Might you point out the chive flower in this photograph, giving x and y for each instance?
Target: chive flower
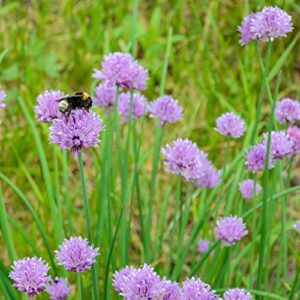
(209, 177)
(195, 289)
(77, 131)
(247, 189)
(166, 110)
(270, 24)
(230, 230)
(2, 98)
(76, 255)
(105, 96)
(246, 36)
(120, 278)
(203, 246)
(297, 226)
(46, 109)
(59, 289)
(172, 291)
(30, 275)
(135, 104)
(287, 111)
(230, 125)
(237, 294)
(122, 70)
(294, 135)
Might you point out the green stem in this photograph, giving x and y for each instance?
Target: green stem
(79, 287)
(295, 284)
(254, 220)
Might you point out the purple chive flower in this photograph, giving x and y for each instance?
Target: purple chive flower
(59, 289)
(195, 289)
(297, 226)
(2, 97)
(139, 105)
(203, 246)
(230, 230)
(30, 275)
(172, 291)
(271, 23)
(166, 110)
(237, 294)
(256, 158)
(209, 177)
(79, 130)
(230, 125)
(122, 70)
(294, 135)
(105, 96)
(142, 283)
(246, 36)
(287, 111)
(281, 145)
(247, 189)
(47, 108)
(183, 158)
(121, 278)
(76, 255)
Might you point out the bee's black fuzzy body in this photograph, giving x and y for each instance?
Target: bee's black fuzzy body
(79, 100)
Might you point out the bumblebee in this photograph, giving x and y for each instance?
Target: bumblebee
(78, 100)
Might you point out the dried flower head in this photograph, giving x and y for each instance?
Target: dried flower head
(230, 230)
(247, 189)
(59, 289)
(281, 145)
(297, 226)
(294, 135)
(122, 70)
(76, 255)
(230, 125)
(30, 275)
(183, 158)
(141, 283)
(203, 246)
(256, 159)
(79, 130)
(166, 110)
(47, 108)
(2, 97)
(237, 294)
(271, 23)
(287, 111)
(105, 96)
(246, 36)
(195, 289)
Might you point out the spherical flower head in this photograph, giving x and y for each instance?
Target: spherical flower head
(30, 275)
(47, 108)
(247, 189)
(256, 159)
(77, 131)
(230, 230)
(121, 278)
(2, 97)
(209, 177)
(105, 96)
(135, 104)
(294, 135)
(143, 283)
(246, 36)
(76, 255)
(297, 226)
(271, 23)
(237, 294)
(230, 125)
(203, 246)
(183, 158)
(166, 110)
(281, 145)
(122, 70)
(172, 291)
(287, 111)
(195, 289)
(59, 289)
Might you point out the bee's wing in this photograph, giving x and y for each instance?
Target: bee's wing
(61, 99)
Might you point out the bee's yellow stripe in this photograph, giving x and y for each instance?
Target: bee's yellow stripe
(85, 96)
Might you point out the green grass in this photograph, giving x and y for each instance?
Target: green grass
(191, 50)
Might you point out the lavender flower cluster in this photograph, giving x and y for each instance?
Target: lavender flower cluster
(144, 283)
(30, 275)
